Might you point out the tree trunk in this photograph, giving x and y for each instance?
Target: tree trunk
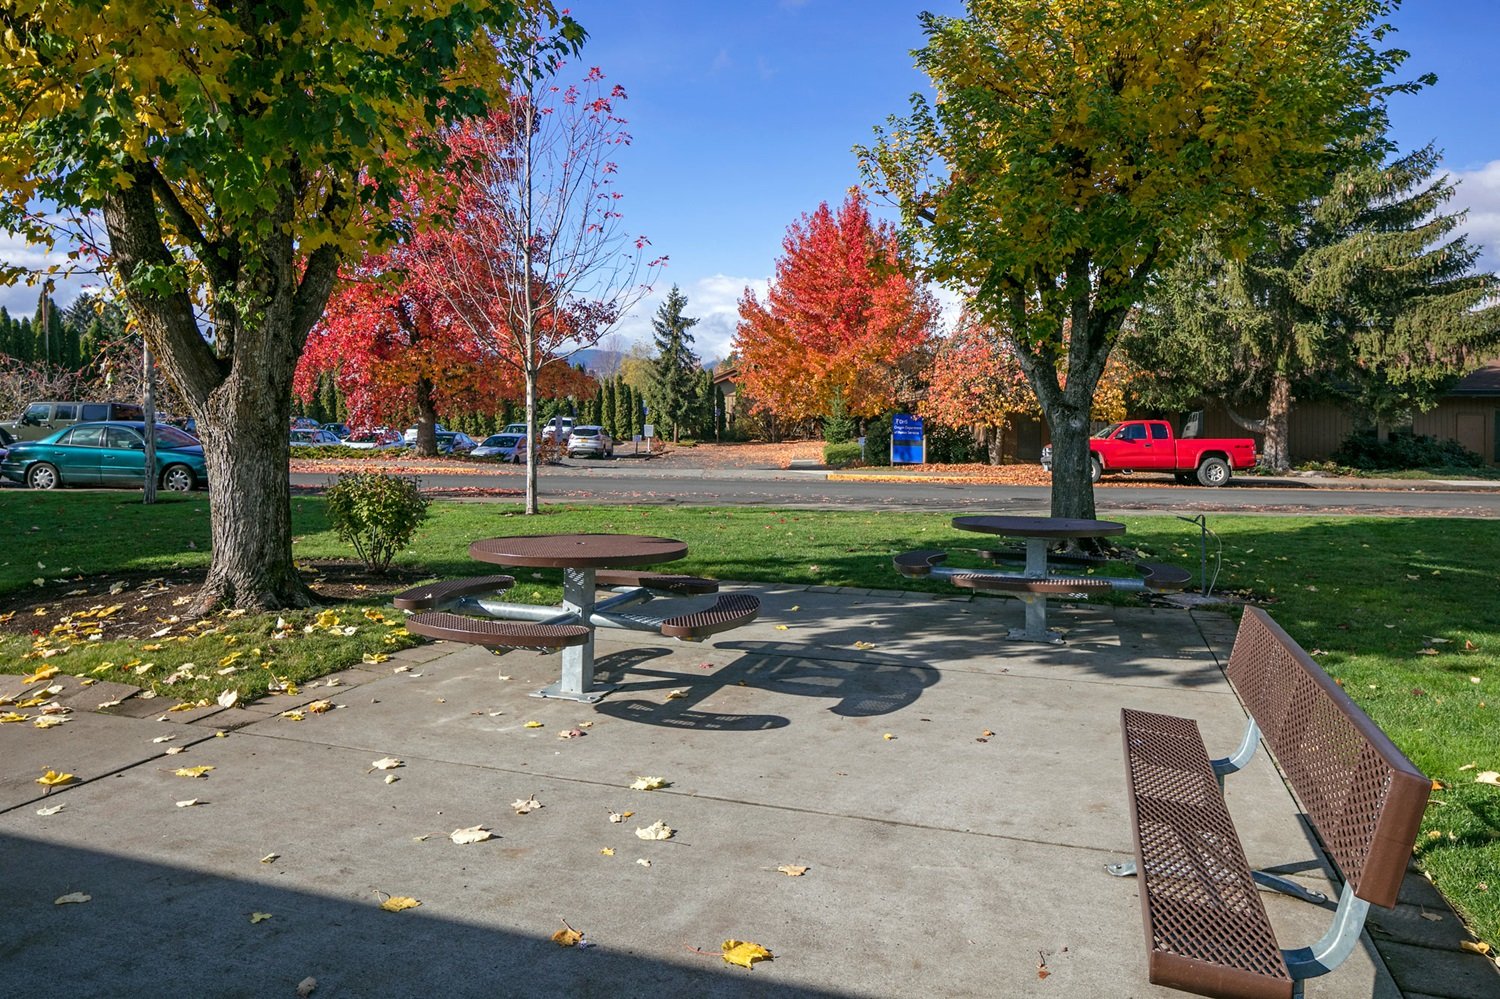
(1072, 488)
(1276, 451)
(995, 442)
(426, 419)
(533, 439)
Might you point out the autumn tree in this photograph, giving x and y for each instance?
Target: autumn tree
(674, 370)
(540, 265)
(1076, 146)
(237, 153)
(976, 379)
(841, 316)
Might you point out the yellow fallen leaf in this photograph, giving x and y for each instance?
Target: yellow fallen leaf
(567, 937)
(781, 627)
(192, 771)
(864, 645)
(1469, 945)
(293, 715)
(678, 694)
(744, 953)
(795, 607)
(528, 805)
(189, 803)
(470, 834)
(643, 861)
(888, 737)
(72, 898)
(270, 858)
(229, 698)
(44, 673)
(793, 870)
(608, 851)
(532, 724)
(615, 816)
(656, 830)
(1488, 777)
(386, 763)
(53, 779)
(51, 811)
(648, 784)
(259, 917)
(397, 903)
(1468, 766)
(318, 707)
(327, 619)
(11, 716)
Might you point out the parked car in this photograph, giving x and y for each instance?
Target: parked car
(6, 440)
(506, 447)
(106, 454)
(411, 433)
(42, 419)
(305, 423)
(339, 430)
(513, 428)
(454, 442)
(379, 439)
(1150, 446)
(591, 442)
(314, 438)
(550, 428)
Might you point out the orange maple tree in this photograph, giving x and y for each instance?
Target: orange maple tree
(843, 313)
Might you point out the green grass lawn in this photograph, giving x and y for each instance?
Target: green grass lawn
(1403, 612)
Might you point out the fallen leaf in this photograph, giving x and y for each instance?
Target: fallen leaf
(229, 698)
(391, 778)
(259, 917)
(656, 830)
(270, 858)
(470, 834)
(615, 816)
(1468, 945)
(744, 953)
(572, 733)
(864, 645)
(888, 737)
(189, 803)
(608, 851)
(293, 715)
(51, 811)
(306, 986)
(528, 805)
(11, 716)
(649, 784)
(174, 750)
(1437, 785)
(54, 779)
(192, 771)
(73, 898)
(675, 695)
(781, 627)
(1468, 766)
(397, 903)
(1488, 777)
(319, 707)
(987, 734)
(532, 724)
(164, 738)
(793, 870)
(567, 937)
(386, 763)
(1432, 917)
(643, 861)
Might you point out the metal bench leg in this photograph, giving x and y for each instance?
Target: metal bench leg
(1337, 944)
(1286, 886)
(1124, 869)
(1036, 622)
(577, 681)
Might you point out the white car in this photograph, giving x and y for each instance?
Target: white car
(549, 429)
(380, 439)
(506, 447)
(591, 442)
(314, 438)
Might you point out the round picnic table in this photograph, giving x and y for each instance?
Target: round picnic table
(577, 555)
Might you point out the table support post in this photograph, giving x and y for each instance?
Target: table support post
(577, 681)
(1036, 603)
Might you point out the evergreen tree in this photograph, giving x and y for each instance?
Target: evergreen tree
(720, 416)
(1363, 292)
(607, 406)
(673, 376)
(7, 328)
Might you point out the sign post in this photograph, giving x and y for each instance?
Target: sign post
(908, 444)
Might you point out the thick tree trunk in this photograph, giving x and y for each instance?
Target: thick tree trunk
(995, 444)
(1276, 451)
(1072, 486)
(426, 419)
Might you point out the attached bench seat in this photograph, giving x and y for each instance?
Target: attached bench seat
(1060, 558)
(656, 581)
(1206, 931)
(497, 634)
(1023, 584)
(729, 611)
(1162, 578)
(429, 596)
(917, 564)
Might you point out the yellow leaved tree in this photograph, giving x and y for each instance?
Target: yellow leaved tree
(220, 160)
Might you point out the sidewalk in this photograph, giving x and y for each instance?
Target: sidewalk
(953, 797)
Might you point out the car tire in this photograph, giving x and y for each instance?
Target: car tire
(1096, 469)
(1213, 472)
(43, 476)
(178, 479)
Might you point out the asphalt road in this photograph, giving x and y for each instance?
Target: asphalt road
(614, 483)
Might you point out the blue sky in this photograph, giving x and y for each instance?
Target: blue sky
(743, 116)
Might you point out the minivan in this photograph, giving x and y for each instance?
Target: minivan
(41, 419)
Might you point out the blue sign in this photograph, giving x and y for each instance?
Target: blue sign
(907, 444)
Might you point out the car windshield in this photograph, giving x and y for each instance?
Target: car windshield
(502, 440)
(171, 437)
(1107, 431)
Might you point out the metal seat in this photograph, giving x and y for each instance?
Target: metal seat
(729, 611)
(497, 634)
(664, 582)
(430, 596)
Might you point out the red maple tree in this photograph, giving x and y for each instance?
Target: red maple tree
(843, 314)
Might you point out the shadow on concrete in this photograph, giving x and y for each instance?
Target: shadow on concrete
(860, 685)
(152, 929)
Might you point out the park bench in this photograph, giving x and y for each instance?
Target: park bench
(1206, 929)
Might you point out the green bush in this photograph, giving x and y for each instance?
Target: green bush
(878, 441)
(328, 452)
(951, 445)
(1364, 451)
(838, 426)
(376, 513)
(841, 455)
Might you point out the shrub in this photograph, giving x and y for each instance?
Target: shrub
(950, 445)
(376, 513)
(841, 455)
(878, 441)
(1363, 450)
(838, 426)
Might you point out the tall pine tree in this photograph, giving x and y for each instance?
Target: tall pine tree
(1364, 292)
(673, 372)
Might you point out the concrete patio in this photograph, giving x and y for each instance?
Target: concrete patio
(954, 798)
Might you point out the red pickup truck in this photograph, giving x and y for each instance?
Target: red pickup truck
(1150, 446)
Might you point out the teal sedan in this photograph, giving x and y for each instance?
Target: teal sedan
(107, 454)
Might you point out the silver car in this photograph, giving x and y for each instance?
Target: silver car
(506, 447)
(591, 442)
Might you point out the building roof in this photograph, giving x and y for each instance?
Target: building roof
(1484, 381)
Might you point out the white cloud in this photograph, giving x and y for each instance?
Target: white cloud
(1479, 192)
(714, 301)
(21, 299)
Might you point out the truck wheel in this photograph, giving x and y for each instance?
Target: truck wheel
(1096, 469)
(1213, 472)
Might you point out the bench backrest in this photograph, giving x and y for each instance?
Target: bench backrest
(1363, 796)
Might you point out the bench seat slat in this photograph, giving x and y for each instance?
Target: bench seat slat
(729, 611)
(915, 565)
(1020, 584)
(496, 634)
(430, 595)
(1206, 929)
(1162, 578)
(657, 581)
